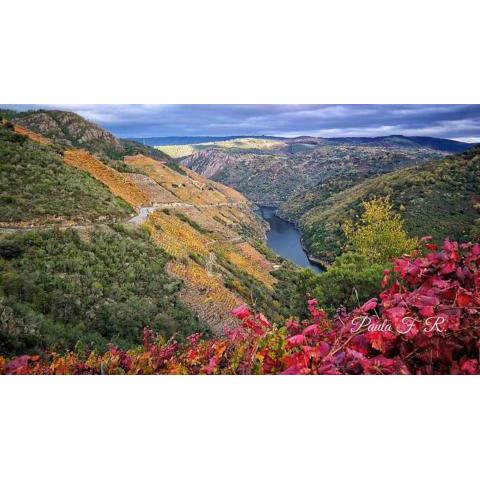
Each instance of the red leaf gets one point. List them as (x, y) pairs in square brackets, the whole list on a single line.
[(385, 279), (241, 312), (295, 341), (370, 305), (464, 298), (311, 330), (470, 367), (427, 311)]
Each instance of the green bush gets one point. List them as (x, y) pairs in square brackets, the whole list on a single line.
[(91, 290), (351, 280)]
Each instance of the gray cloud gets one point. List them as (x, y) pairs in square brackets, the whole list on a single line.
[(447, 121)]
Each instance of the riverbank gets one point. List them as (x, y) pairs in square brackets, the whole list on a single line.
[(317, 261), (283, 238)]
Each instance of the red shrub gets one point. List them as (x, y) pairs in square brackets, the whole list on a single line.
[(426, 322)]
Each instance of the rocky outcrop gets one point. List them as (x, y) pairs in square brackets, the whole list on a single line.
[(67, 127)]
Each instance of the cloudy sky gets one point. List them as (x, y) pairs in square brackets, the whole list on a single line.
[(461, 122)]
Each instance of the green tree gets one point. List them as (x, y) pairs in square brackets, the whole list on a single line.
[(379, 235), (475, 231), (355, 276)]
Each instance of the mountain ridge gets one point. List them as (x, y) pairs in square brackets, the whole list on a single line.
[(437, 198), (69, 129), (448, 144)]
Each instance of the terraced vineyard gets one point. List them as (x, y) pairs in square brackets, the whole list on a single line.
[(119, 184), (249, 260), (184, 184), (176, 236), (206, 228), (206, 295), (195, 250), (32, 135), (155, 192)]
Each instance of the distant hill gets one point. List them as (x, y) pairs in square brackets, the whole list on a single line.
[(276, 171), (391, 140), (442, 144), (439, 198), (161, 141)]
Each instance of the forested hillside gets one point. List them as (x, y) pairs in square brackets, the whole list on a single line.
[(440, 198), (61, 290), (37, 187)]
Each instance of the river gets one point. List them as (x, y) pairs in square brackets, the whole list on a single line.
[(284, 239)]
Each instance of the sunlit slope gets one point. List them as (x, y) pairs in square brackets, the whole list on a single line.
[(183, 184), (36, 137), (118, 183), (242, 144)]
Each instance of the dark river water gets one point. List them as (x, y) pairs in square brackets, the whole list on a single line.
[(283, 238)]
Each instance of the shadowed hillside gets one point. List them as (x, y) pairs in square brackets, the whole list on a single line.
[(440, 198)]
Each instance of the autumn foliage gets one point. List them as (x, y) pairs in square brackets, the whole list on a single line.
[(36, 137), (431, 303), (119, 184)]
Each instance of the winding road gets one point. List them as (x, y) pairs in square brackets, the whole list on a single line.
[(137, 219)]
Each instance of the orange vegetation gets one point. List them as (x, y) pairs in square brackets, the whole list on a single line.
[(190, 187), (36, 137), (207, 295), (246, 258), (175, 236), (204, 290), (155, 192), (119, 184)]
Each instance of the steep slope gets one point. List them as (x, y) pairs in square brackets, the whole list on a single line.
[(199, 246), (71, 130), (440, 198), (38, 187), (119, 184), (212, 234), (184, 184)]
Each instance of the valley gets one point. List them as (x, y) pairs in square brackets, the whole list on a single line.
[(210, 239), (105, 240), (308, 178)]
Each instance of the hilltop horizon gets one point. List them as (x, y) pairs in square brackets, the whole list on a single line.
[(454, 122), (289, 137)]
